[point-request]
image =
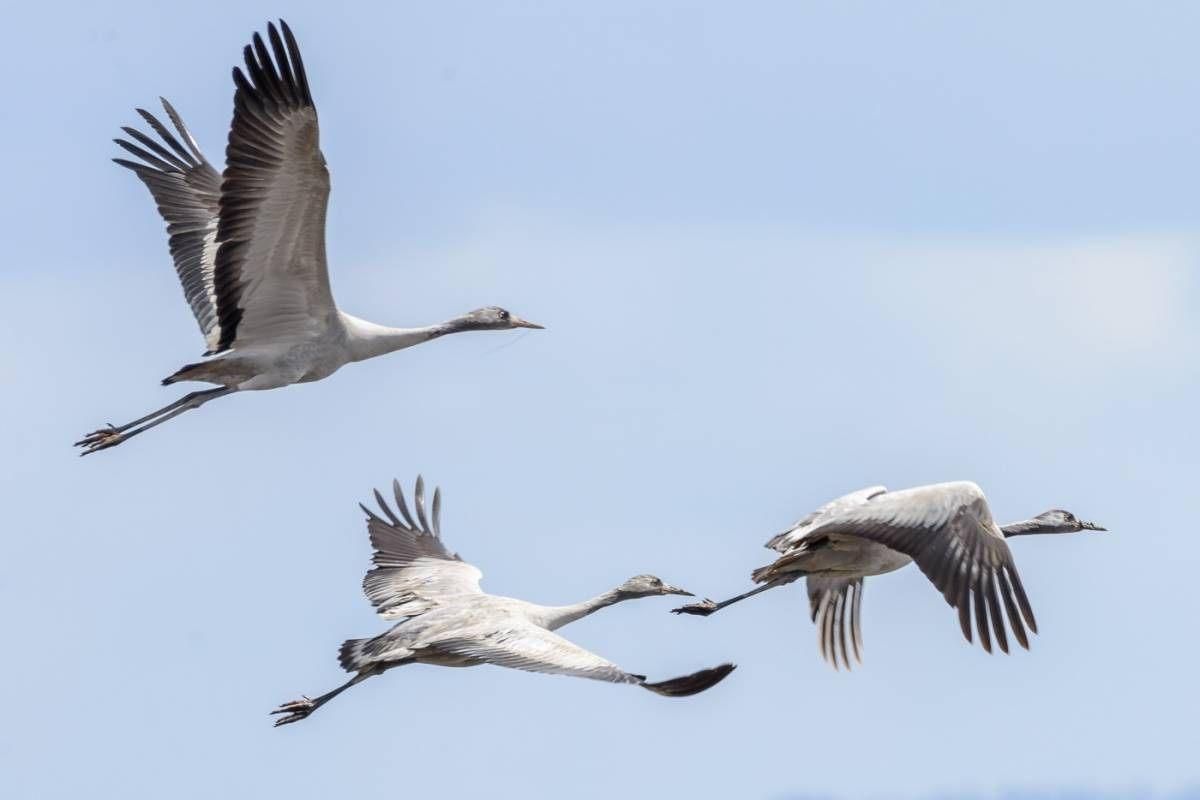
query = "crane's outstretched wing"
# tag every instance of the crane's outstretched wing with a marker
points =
(413, 569)
(836, 603)
(271, 279)
(187, 191)
(949, 531)
(527, 647)
(785, 541)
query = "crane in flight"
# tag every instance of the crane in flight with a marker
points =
(249, 244)
(946, 528)
(447, 620)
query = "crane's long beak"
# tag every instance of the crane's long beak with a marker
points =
(669, 589)
(1091, 526)
(517, 322)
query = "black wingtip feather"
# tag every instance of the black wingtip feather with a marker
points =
(149, 158)
(186, 159)
(964, 617)
(842, 613)
(272, 83)
(297, 63)
(856, 621)
(157, 148)
(133, 165)
(993, 607)
(285, 68)
(1021, 598)
(1010, 606)
(981, 621)
(386, 509)
(243, 85)
(184, 134)
(688, 685)
(402, 503)
(371, 515)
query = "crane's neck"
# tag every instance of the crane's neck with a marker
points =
(367, 340)
(557, 616)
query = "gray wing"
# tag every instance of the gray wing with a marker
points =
(525, 646)
(787, 540)
(271, 279)
(414, 571)
(187, 191)
(835, 604)
(948, 530)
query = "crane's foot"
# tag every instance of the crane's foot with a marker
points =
(295, 710)
(102, 439)
(701, 609)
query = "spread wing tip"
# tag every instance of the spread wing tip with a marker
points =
(687, 685)
(422, 523)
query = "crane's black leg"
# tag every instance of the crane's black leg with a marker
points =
(113, 435)
(706, 606)
(300, 709)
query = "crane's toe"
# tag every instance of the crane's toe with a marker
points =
(701, 609)
(100, 440)
(295, 711)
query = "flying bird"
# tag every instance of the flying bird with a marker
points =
(946, 528)
(447, 620)
(249, 244)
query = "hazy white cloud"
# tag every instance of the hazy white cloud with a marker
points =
(1074, 304)
(1071, 303)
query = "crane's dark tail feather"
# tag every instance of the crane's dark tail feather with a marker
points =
(351, 654)
(777, 569)
(225, 371)
(695, 683)
(181, 374)
(762, 574)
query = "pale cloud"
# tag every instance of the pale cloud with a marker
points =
(1071, 303)
(674, 303)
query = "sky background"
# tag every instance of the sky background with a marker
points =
(782, 250)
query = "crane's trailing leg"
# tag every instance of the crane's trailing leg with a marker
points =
(300, 709)
(706, 606)
(113, 435)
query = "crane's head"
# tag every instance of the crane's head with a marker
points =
(492, 318)
(1056, 520)
(648, 586)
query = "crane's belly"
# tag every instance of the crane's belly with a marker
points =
(314, 362)
(883, 559)
(431, 656)
(860, 557)
(318, 371)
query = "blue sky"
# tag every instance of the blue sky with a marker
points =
(783, 251)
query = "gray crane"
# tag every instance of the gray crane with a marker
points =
(946, 528)
(447, 620)
(249, 244)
